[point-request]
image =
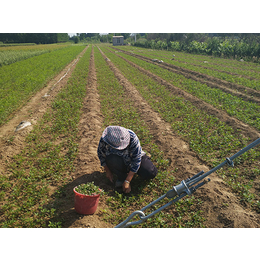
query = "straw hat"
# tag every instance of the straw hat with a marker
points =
(117, 137)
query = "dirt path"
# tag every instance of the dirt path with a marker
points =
(216, 195)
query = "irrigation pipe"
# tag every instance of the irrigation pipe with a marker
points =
(183, 189)
(65, 73)
(47, 94)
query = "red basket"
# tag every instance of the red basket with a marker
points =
(85, 204)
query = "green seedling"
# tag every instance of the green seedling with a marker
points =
(88, 189)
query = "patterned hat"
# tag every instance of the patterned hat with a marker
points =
(117, 137)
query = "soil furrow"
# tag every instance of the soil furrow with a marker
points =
(87, 163)
(215, 194)
(11, 142)
(245, 129)
(223, 71)
(243, 92)
(210, 68)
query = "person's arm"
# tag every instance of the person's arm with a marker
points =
(126, 185)
(135, 151)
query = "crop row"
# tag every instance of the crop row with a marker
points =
(122, 111)
(215, 71)
(234, 74)
(12, 55)
(196, 59)
(210, 138)
(20, 80)
(47, 159)
(243, 110)
(31, 47)
(118, 109)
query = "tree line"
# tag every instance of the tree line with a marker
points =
(38, 38)
(97, 37)
(230, 45)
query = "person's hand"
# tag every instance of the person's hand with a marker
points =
(126, 187)
(109, 175)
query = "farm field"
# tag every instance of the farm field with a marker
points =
(11, 54)
(208, 65)
(20, 80)
(188, 115)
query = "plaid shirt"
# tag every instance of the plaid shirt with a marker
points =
(131, 155)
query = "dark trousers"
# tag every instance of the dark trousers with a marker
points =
(117, 166)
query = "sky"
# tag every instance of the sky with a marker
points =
(136, 16)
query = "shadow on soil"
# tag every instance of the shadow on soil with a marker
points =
(64, 197)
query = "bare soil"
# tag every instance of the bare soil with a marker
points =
(215, 195)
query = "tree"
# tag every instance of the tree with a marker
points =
(89, 35)
(76, 39)
(62, 37)
(82, 36)
(126, 35)
(44, 38)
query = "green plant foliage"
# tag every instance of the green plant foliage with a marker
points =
(122, 112)
(88, 189)
(52, 146)
(20, 80)
(45, 160)
(228, 48)
(210, 138)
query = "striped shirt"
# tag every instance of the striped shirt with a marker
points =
(131, 155)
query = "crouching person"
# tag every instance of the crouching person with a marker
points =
(120, 153)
